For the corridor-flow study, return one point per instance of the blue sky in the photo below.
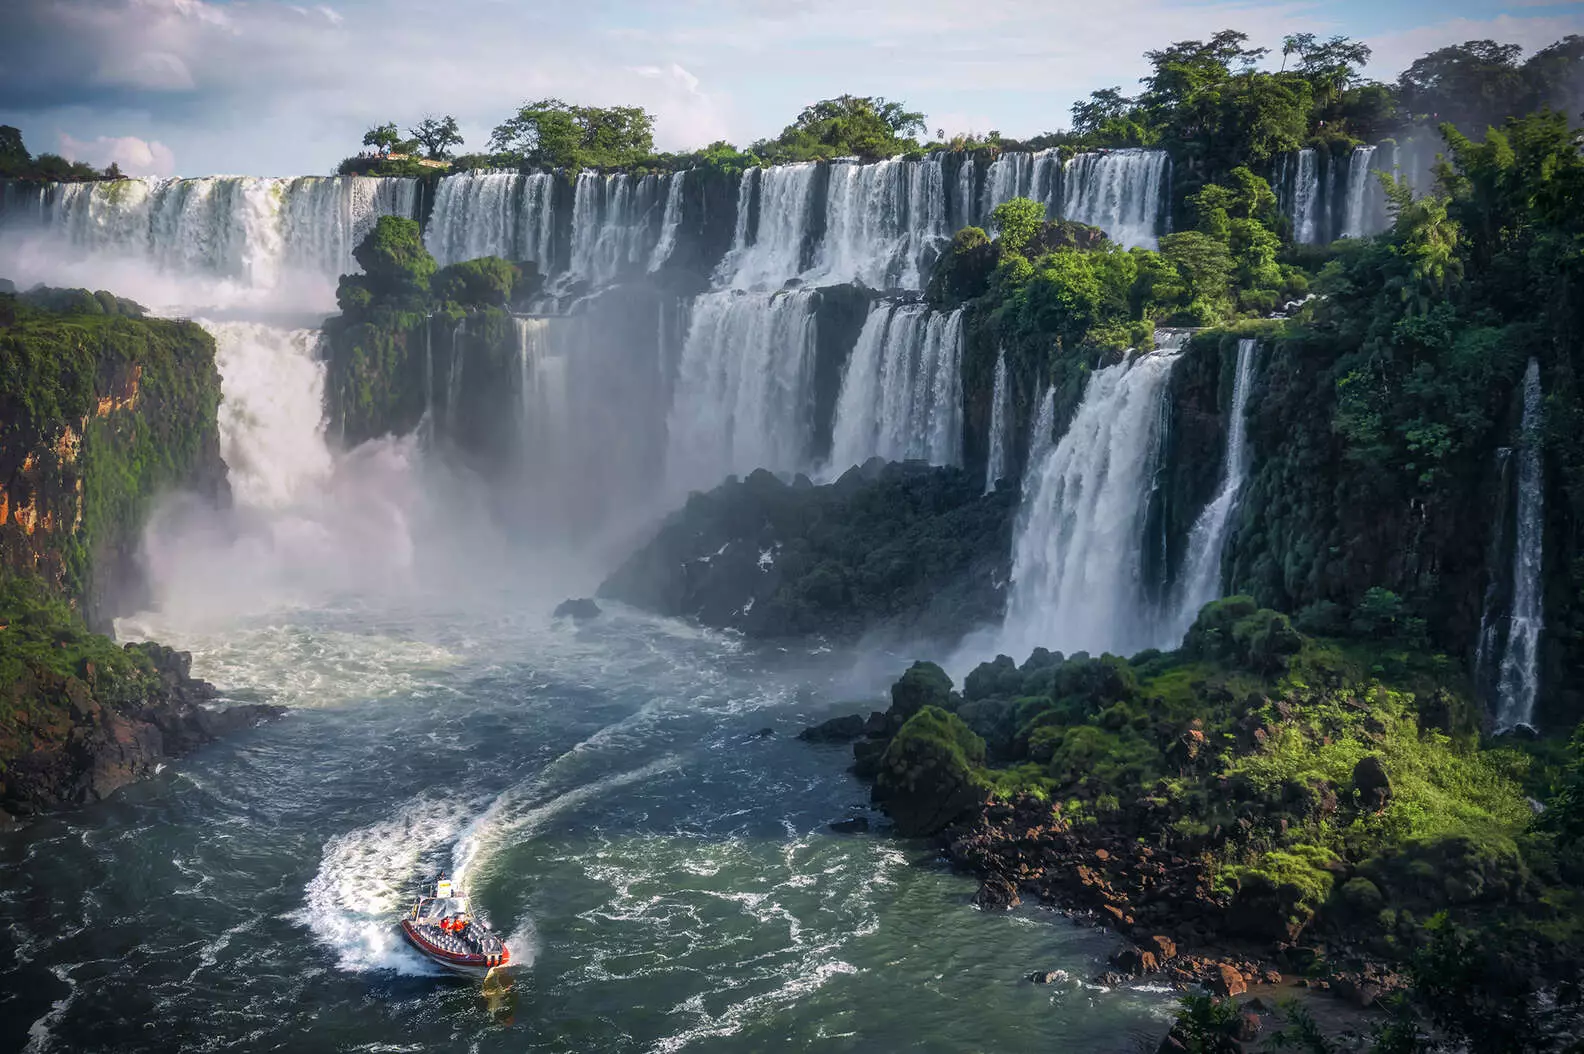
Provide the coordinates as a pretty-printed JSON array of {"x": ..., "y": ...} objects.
[{"x": 265, "y": 87}]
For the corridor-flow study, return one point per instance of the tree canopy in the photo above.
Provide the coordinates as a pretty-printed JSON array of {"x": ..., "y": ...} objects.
[
  {"x": 437, "y": 135},
  {"x": 868, "y": 127},
  {"x": 558, "y": 134}
]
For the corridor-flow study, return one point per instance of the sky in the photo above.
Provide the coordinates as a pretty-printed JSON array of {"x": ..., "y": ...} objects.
[{"x": 262, "y": 87}]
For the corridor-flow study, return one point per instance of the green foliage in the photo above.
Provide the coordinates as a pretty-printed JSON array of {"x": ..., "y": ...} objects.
[
  {"x": 485, "y": 282},
  {"x": 385, "y": 138},
  {"x": 396, "y": 265},
  {"x": 849, "y": 125},
  {"x": 1016, "y": 222},
  {"x": 556, "y": 134},
  {"x": 927, "y": 776},
  {"x": 437, "y": 135},
  {"x": 41, "y": 631}
]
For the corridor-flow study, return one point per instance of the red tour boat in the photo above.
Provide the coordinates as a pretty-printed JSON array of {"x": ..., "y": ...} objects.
[{"x": 442, "y": 927}]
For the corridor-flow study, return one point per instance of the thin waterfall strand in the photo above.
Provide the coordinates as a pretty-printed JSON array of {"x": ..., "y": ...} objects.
[{"x": 1519, "y": 677}]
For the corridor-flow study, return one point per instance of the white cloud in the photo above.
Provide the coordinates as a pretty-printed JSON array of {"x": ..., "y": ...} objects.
[
  {"x": 272, "y": 88},
  {"x": 137, "y": 157}
]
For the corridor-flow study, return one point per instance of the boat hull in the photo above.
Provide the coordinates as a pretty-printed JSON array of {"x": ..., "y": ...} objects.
[{"x": 464, "y": 964}]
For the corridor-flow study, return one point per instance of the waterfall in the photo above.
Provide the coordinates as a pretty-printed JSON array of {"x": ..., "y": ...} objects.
[
  {"x": 774, "y": 254},
  {"x": 613, "y": 226},
  {"x": 454, "y": 377},
  {"x": 1308, "y": 198},
  {"x": 1356, "y": 224},
  {"x": 271, "y": 416},
  {"x": 1019, "y": 174},
  {"x": 543, "y": 409},
  {"x": 1120, "y": 192},
  {"x": 669, "y": 222},
  {"x": 1041, "y": 433},
  {"x": 967, "y": 215},
  {"x": 1000, "y": 412},
  {"x": 1077, "y": 561},
  {"x": 1519, "y": 675},
  {"x": 1007, "y": 178},
  {"x": 901, "y": 397},
  {"x": 251, "y": 232},
  {"x": 501, "y": 214},
  {"x": 744, "y": 388},
  {"x": 884, "y": 223},
  {"x": 1200, "y": 582}
]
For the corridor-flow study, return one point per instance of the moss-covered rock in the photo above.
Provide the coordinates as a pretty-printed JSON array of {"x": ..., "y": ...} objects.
[{"x": 927, "y": 777}]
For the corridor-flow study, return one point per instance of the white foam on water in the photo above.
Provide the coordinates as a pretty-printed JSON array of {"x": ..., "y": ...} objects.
[{"x": 354, "y": 904}]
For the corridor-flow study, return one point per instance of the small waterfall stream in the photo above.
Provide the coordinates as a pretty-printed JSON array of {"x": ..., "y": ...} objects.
[
  {"x": 1000, "y": 414},
  {"x": 1518, "y": 676},
  {"x": 1200, "y": 581}
]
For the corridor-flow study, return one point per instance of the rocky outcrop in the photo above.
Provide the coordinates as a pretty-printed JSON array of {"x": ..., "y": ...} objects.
[
  {"x": 72, "y": 740},
  {"x": 904, "y": 549}
]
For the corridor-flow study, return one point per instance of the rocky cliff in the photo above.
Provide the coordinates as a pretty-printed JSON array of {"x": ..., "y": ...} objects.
[{"x": 101, "y": 412}]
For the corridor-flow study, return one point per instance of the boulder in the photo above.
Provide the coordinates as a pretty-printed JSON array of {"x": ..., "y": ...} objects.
[
  {"x": 1371, "y": 783},
  {"x": 1131, "y": 959},
  {"x": 928, "y": 774},
  {"x": 1226, "y": 981},
  {"x": 997, "y": 893},
  {"x": 1163, "y": 947},
  {"x": 1048, "y": 976},
  {"x": 579, "y": 609}
]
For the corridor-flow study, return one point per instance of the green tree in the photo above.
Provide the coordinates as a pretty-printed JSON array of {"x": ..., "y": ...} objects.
[
  {"x": 14, "y": 156},
  {"x": 1329, "y": 65},
  {"x": 869, "y": 127},
  {"x": 437, "y": 135},
  {"x": 1470, "y": 85},
  {"x": 384, "y": 137},
  {"x": 1016, "y": 222},
  {"x": 558, "y": 134}
]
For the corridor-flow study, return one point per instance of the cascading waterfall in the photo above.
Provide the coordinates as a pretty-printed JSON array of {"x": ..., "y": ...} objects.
[
  {"x": 1019, "y": 174},
  {"x": 1307, "y": 198},
  {"x": 901, "y": 397},
  {"x": 503, "y": 214},
  {"x": 244, "y": 229},
  {"x": 1519, "y": 675},
  {"x": 454, "y": 377},
  {"x": 774, "y": 253},
  {"x": 884, "y": 223},
  {"x": 613, "y": 224},
  {"x": 542, "y": 401},
  {"x": 271, "y": 418},
  {"x": 1200, "y": 582},
  {"x": 743, "y": 397},
  {"x": 1000, "y": 414},
  {"x": 670, "y": 222},
  {"x": 1356, "y": 224},
  {"x": 1077, "y": 562},
  {"x": 1120, "y": 191}
]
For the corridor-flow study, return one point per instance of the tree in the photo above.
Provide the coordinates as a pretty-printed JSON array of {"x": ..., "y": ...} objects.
[
  {"x": 383, "y": 138},
  {"x": 560, "y": 135},
  {"x": 1017, "y": 221},
  {"x": 1105, "y": 105},
  {"x": 12, "y": 151},
  {"x": 437, "y": 136},
  {"x": 1471, "y": 85},
  {"x": 869, "y": 127},
  {"x": 1330, "y": 65},
  {"x": 114, "y": 171}
]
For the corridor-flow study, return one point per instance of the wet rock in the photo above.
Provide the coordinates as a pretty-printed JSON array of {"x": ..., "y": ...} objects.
[
  {"x": 579, "y": 609},
  {"x": 1048, "y": 976},
  {"x": 996, "y": 893},
  {"x": 837, "y": 730},
  {"x": 1226, "y": 981},
  {"x": 1163, "y": 947},
  {"x": 855, "y": 825},
  {"x": 1247, "y": 1027},
  {"x": 1134, "y": 960}
]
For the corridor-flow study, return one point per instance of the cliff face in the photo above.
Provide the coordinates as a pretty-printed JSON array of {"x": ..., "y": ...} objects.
[{"x": 100, "y": 413}]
